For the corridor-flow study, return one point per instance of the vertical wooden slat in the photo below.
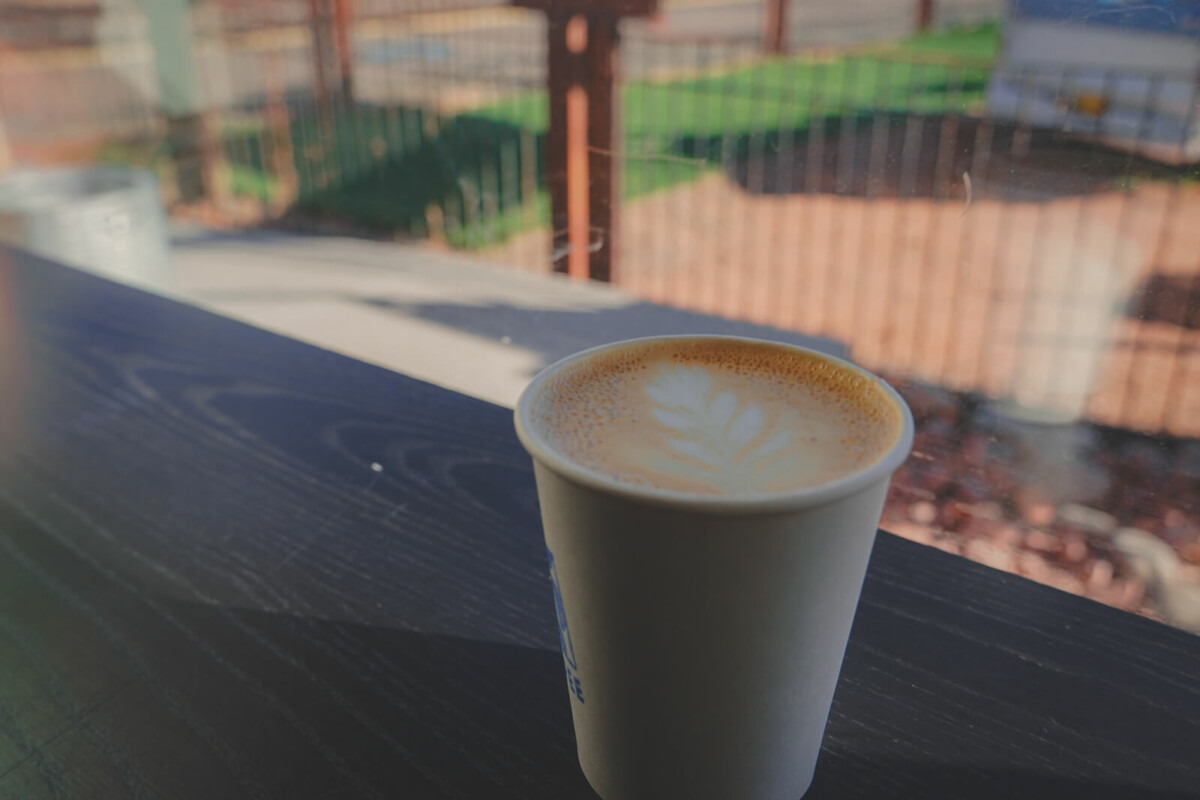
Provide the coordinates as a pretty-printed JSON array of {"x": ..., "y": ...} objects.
[
  {"x": 775, "y": 27},
  {"x": 282, "y": 163},
  {"x": 558, "y": 83},
  {"x": 924, "y": 14},
  {"x": 578, "y": 196},
  {"x": 581, "y": 175},
  {"x": 343, "y": 14},
  {"x": 318, "y": 21},
  {"x": 603, "y": 171}
]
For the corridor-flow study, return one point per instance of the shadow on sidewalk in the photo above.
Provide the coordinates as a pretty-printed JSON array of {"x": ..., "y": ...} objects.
[
  {"x": 1173, "y": 299},
  {"x": 555, "y": 333}
]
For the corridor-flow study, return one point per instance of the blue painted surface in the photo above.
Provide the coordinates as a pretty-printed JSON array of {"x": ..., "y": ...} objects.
[
  {"x": 1156, "y": 16},
  {"x": 574, "y": 686}
]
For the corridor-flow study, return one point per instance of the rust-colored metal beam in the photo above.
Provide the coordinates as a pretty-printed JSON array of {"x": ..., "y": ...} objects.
[
  {"x": 924, "y": 14},
  {"x": 318, "y": 21},
  {"x": 343, "y": 15},
  {"x": 581, "y": 142},
  {"x": 579, "y": 212},
  {"x": 279, "y": 123},
  {"x": 558, "y": 83},
  {"x": 775, "y": 27},
  {"x": 603, "y": 170}
]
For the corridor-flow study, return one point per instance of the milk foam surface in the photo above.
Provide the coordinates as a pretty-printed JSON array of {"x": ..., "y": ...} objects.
[{"x": 715, "y": 417}]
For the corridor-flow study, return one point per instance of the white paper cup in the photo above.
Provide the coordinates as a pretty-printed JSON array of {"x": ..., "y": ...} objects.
[{"x": 703, "y": 635}]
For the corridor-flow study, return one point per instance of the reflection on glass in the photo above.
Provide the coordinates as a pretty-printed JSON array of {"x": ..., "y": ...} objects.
[{"x": 998, "y": 213}]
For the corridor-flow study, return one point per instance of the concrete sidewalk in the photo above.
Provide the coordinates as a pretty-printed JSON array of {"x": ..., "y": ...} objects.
[
  {"x": 485, "y": 331},
  {"x": 458, "y": 322}
]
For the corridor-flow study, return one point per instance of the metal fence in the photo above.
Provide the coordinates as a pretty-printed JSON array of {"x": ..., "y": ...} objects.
[
  {"x": 858, "y": 192},
  {"x": 872, "y": 199}
]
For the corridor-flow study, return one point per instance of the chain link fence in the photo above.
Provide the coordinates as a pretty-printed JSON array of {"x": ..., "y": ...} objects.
[{"x": 858, "y": 191}]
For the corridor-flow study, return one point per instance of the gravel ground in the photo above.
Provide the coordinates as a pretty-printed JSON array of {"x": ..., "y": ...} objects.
[
  {"x": 1004, "y": 296},
  {"x": 1099, "y": 512}
]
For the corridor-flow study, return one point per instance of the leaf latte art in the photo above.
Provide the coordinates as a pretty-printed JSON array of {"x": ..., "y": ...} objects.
[
  {"x": 716, "y": 416},
  {"x": 717, "y": 438}
]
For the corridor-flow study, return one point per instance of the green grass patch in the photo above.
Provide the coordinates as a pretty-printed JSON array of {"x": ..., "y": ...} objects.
[
  {"x": 711, "y": 118},
  {"x": 791, "y": 90},
  {"x": 978, "y": 42},
  {"x": 387, "y": 168},
  {"x": 247, "y": 181}
]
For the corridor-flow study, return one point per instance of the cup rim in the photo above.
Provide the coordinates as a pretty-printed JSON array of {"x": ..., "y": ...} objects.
[{"x": 759, "y": 502}]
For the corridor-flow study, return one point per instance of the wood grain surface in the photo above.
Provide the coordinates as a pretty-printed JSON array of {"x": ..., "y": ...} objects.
[{"x": 233, "y": 565}]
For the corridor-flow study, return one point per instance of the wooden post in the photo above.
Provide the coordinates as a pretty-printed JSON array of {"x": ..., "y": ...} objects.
[
  {"x": 924, "y": 15},
  {"x": 6, "y": 158},
  {"x": 775, "y": 27},
  {"x": 189, "y": 129},
  {"x": 579, "y": 70},
  {"x": 283, "y": 165},
  {"x": 343, "y": 14},
  {"x": 582, "y": 139},
  {"x": 5, "y": 149},
  {"x": 318, "y": 21},
  {"x": 558, "y": 83},
  {"x": 603, "y": 187}
]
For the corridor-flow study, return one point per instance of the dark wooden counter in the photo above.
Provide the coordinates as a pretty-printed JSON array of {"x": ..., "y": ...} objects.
[{"x": 233, "y": 565}]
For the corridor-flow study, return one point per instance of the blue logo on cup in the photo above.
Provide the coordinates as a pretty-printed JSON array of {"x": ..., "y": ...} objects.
[{"x": 574, "y": 687}]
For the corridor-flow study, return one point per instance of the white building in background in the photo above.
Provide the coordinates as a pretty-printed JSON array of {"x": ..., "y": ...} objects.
[{"x": 1122, "y": 72}]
